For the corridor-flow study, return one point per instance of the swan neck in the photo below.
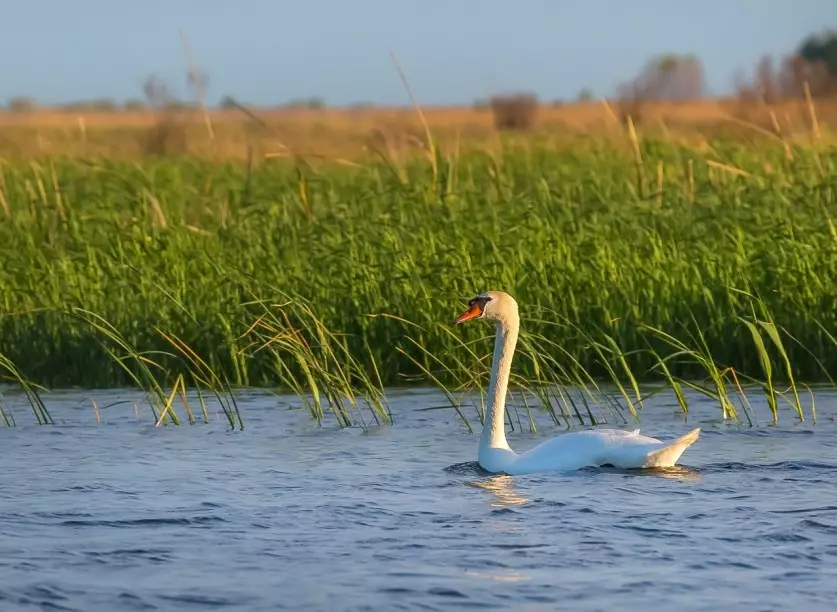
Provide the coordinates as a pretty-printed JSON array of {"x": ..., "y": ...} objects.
[{"x": 494, "y": 433}]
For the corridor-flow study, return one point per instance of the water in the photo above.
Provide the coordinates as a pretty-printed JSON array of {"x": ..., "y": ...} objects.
[{"x": 286, "y": 515}]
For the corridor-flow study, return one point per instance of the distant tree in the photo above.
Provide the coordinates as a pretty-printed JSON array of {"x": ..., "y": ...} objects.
[
  {"x": 514, "y": 111},
  {"x": 168, "y": 134},
  {"x": 767, "y": 80},
  {"x": 585, "y": 95},
  {"x": 480, "y": 104},
  {"x": 774, "y": 82},
  {"x": 796, "y": 71},
  {"x": 180, "y": 105},
  {"x": 821, "y": 48},
  {"x": 227, "y": 103},
  {"x": 134, "y": 105},
  {"x": 313, "y": 103},
  {"x": 814, "y": 64},
  {"x": 157, "y": 92},
  {"x": 667, "y": 78},
  {"x": 22, "y": 104},
  {"x": 102, "y": 105}
]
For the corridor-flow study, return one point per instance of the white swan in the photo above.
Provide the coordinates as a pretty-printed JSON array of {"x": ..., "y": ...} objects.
[{"x": 572, "y": 451}]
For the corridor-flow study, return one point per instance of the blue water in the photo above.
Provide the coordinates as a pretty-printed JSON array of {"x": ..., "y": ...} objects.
[{"x": 120, "y": 515}]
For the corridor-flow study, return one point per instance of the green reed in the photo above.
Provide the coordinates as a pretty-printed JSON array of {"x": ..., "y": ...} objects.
[
  {"x": 709, "y": 270},
  {"x": 10, "y": 373}
]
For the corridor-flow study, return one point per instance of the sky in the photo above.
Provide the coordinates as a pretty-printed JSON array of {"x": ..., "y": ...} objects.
[{"x": 265, "y": 52}]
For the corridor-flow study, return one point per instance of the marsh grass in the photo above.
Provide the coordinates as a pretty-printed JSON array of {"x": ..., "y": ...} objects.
[
  {"x": 641, "y": 266},
  {"x": 327, "y": 376},
  {"x": 10, "y": 373}
]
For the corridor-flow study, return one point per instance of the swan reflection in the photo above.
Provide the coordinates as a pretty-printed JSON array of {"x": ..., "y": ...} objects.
[
  {"x": 677, "y": 472},
  {"x": 505, "y": 493},
  {"x": 503, "y": 489}
]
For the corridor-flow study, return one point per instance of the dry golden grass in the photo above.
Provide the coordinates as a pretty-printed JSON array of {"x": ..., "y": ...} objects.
[{"x": 358, "y": 133}]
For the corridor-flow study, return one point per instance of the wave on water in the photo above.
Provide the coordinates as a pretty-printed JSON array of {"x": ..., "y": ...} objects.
[
  {"x": 144, "y": 522},
  {"x": 738, "y": 466}
]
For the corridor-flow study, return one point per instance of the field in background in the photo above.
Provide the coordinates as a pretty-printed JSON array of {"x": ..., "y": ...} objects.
[{"x": 360, "y": 134}]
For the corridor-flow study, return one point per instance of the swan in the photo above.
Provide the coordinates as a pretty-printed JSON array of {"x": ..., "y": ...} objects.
[{"x": 571, "y": 451}]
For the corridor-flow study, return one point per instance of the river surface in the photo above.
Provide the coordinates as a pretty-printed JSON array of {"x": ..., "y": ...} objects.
[{"x": 120, "y": 515}]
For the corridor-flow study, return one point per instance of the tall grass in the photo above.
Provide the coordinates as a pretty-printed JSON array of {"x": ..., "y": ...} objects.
[
  {"x": 710, "y": 270},
  {"x": 10, "y": 373}
]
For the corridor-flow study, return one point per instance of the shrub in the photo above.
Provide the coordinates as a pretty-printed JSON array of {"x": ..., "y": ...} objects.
[{"x": 514, "y": 111}]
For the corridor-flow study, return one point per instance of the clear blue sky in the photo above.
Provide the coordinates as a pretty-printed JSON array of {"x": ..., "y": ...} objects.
[{"x": 453, "y": 51}]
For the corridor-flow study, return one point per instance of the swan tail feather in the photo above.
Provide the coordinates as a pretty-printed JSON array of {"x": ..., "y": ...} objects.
[{"x": 668, "y": 455}]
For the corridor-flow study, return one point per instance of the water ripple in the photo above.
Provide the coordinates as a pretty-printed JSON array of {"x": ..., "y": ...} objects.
[
  {"x": 287, "y": 515},
  {"x": 144, "y": 522}
]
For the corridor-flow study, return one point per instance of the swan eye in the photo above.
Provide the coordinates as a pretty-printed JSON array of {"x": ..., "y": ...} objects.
[{"x": 480, "y": 301}]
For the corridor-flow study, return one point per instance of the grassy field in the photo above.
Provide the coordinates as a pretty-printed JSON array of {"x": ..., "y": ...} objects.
[{"x": 632, "y": 260}]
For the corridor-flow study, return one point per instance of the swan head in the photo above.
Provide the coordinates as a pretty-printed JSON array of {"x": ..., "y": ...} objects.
[{"x": 491, "y": 305}]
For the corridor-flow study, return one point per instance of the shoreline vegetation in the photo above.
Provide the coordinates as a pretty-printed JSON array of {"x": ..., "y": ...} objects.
[{"x": 696, "y": 259}]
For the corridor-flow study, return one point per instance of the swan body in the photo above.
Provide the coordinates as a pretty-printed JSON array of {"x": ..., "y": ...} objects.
[{"x": 571, "y": 451}]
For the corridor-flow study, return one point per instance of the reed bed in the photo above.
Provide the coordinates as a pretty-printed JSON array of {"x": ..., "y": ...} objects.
[{"x": 650, "y": 262}]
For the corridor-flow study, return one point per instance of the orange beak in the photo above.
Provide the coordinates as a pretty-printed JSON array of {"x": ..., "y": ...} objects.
[{"x": 472, "y": 313}]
